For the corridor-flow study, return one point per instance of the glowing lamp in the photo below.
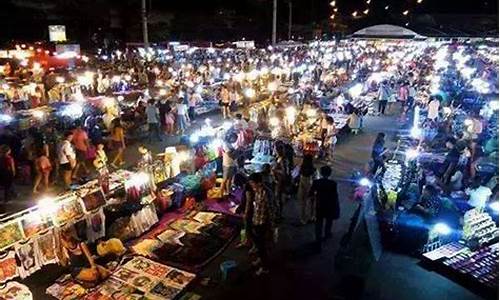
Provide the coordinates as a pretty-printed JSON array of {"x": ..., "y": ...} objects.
[
  {"x": 5, "y": 118},
  {"x": 290, "y": 112},
  {"x": 38, "y": 114},
  {"x": 411, "y": 154},
  {"x": 415, "y": 132},
  {"x": 249, "y": 93},
  {"x": 194, "y": 138},
  {"x": 47, "y": 206},
  {"x": 493, "y": 105},
  {"x": 74, "y": 110},
  {"x": 120, "y": 98},
  {"x": 441, "y": 229},
  {"x": 356, "y": 90},
  {"x": 311, "y": 113},
  {"x": 272, "y": 86},
  {"x": 60, "y": 79},
  {"x": 365, "y": 182},
  {"x": 495, "y": 206},
  {"x": 274, "y": 121}
]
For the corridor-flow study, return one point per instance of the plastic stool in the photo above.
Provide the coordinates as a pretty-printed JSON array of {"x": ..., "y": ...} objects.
[{"x": 226, "y": 267}]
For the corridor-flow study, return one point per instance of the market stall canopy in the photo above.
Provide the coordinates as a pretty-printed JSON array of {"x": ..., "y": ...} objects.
[
  {"x": 386, "y": 31},
  {"x": 289, "y": 44}
]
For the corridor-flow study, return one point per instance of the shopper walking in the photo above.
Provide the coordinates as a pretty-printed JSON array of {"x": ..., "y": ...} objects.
[
  {"x": 67, "y": 159},
  {"x": 43, "y": 168},
  {"x": 324, "y": 190},
  {"x": 7, "y": 172},
  {"x": 378, "y": 152},
  {"x": 153, "y": 120},
  {"x": 307, "y": 171},
  {"x": 81, "y": 143},
  {"x": 263, "y": 215},
  {"x": 225, "y": 102},
  {"x": 118, "y": 143},
  {"x": 383, "y": 97},
  {"x": 181, "y": 116}
]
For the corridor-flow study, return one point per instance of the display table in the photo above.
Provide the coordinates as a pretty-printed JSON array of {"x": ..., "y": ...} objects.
[{"x": 477, "y": 269}]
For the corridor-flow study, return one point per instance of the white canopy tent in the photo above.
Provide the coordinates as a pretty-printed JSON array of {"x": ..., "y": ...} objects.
[{"x": 387, "y": 31}]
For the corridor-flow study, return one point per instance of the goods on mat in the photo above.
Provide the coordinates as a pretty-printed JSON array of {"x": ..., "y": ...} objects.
[
  {"x": 479, "y": 227},
  {"x": 392, "y": 175},
  {"x": 482, "y": 265}
]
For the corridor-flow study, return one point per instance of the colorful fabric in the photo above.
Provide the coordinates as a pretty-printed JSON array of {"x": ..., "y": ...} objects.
[
  {"x": 95, "y": 225},
  {"x": 10, "y": 233},
  {"x": 8, "y": 266},
  {"x": 66, "y": 291},
  {"x": 15, "y": 291},
  {"x": 46, "y": 245},
  {"x": 28, "y": 255}
]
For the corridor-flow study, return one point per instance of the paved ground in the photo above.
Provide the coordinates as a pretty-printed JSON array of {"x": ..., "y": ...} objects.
[{"x": 299, "y": 273}]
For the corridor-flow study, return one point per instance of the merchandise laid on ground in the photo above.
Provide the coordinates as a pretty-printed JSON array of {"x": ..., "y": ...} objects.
[{"x": 149, "y": 231}]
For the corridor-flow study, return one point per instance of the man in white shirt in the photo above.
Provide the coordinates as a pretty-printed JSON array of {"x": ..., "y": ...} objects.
[
  {"x": 153, "y": 119},
  {"x": 181, "y": 116},
  {"x": 67, "y": 158},
  {"x": 478, "y": 196}
]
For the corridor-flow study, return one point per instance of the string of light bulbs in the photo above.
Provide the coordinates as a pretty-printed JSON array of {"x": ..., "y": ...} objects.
[{"x": 366, "y": 11}]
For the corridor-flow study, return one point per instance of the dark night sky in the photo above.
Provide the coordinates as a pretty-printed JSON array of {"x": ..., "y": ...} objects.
[{"x": 211, "y": 19}]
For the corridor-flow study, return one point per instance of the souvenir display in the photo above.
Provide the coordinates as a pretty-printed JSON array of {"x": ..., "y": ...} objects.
[
  {"x": 29, "y": 258},
  {"x": 178, "y": 278},
  {"x": 481, "y": 265},
  {"x": 67, "y": 290},
  {"x": 479, "y": 227},
  {"x": 68, "y": 210},
  {"x": 92, "y": 200},
  {"x": 144, "y": 219},
  {"x": 46, "y": 245},
  {"x": 13, "y": 290},
  {"x": 10, "y": 233},
  {"x": 447, "y": 250},
  {"x": 205, "y": 217},
  {"x": 159, "y": 172},
  {"x": 144, "y": 265},
  {"x": 392, "y": 176},
  {"x": 146, "y": 247},
  {"x": 8, "y": 266},
  {"x": 156, "y": 280},
  {"x": 35, "y": 223},
  {"x": 171, "y": 236},
  {"x": 163, "y": 291},
  {"x": 186, "y": 226}
]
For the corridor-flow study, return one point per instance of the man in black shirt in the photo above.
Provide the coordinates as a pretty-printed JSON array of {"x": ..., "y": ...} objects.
[{"x": 327, "y": 204}]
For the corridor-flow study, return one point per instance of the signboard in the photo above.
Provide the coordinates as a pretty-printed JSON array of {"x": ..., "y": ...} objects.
[
  {"x": 68, "y": 49},
  {"x": 57, "y": 33},
  {"x": 245, "y": 44},
  {"x": 181, "y": 47}
]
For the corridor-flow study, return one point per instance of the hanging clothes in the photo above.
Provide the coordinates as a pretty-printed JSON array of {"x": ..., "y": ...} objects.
[
  {"x": 28, "y": 256},
  {"x": 95, "y": 225},
  {"x": 46, "y": 245}
]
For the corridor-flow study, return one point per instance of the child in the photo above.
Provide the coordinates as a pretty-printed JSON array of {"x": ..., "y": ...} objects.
[{"x": 43, "y": 169}]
